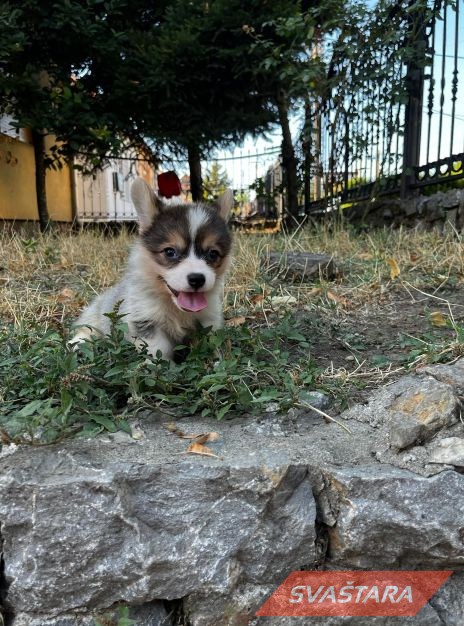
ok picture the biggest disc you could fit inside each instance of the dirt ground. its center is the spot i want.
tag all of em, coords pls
(377, 343)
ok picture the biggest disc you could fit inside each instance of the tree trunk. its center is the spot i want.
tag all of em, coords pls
(289, 161)
(196, 183)
(38, 139)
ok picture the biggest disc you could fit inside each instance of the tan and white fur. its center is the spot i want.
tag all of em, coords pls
(174, 276)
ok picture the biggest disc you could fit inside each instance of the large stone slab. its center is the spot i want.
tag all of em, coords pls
(410, 411)
(418, 411)
(450, 374)
(394, 519)
(449, 601)
(81, 529)
(239, 608)
(87, 525)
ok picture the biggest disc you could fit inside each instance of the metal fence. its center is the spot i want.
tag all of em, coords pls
(396, 126)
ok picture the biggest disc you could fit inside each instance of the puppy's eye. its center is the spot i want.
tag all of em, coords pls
(170, 253)
(212, 255)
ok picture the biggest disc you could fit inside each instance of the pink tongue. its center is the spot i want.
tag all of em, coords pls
(192, 300)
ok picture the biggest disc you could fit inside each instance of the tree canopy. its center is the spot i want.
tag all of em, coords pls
(179, 77)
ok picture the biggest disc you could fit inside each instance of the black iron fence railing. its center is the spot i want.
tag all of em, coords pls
(396, 127)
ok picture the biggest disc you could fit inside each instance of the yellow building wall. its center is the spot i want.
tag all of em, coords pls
(59, 192)
(17, 184)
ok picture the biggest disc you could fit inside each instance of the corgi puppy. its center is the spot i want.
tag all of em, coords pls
(174, 277)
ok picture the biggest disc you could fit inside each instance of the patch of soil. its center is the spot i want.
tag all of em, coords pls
(377, 336)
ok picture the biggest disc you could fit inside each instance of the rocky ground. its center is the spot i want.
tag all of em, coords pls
(186, 539)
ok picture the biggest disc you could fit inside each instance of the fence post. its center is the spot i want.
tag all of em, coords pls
(414, 81)
(306, 145)
(346, 157)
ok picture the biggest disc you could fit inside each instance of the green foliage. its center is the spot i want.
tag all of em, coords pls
(285, 58)
(62, 69)
(215, 182)
(437, 345)
(48, 392)
(121, 619)
(125, 73)
(197, 73)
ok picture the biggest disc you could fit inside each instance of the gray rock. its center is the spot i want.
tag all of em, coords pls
(452, 198)
(411, 410)
(88, 524)
(317, 399)
(391, 518)
(301, 265)
(235, 609)
(420, 410)
(450, 374)
(26, 619)
(449, 601)
(81, 530)
(426, 617)
(239, 608)
(297, 420)
(449, 451)
(150, 614)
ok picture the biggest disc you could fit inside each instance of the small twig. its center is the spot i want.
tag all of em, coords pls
(332, 419)
(429, 295)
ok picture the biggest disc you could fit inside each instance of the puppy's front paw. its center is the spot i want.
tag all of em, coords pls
(83, 334)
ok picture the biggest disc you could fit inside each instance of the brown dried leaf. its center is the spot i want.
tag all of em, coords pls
(340, 300)
(394, 268)
(198, 448)
(66, 294)
(199, 438)
(236, 321)
(257, 299)
(203, 437)
(172, 428)
(437, 318)
(4, 437)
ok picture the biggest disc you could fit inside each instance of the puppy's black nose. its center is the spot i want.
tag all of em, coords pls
(196, 280)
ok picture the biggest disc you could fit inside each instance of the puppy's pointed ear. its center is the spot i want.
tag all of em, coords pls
(224, 203)
(146, 203)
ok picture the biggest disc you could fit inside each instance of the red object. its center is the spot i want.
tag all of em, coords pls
(169, 184)
(353, 593)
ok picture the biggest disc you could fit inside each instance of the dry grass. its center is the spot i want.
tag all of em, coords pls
(45, 277)
(48, 278)
(427, 260)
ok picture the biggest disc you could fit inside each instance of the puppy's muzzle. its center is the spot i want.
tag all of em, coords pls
(196, 280)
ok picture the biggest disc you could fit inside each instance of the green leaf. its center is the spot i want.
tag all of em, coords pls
(105, 422)
(222, 412)
(35, 406)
